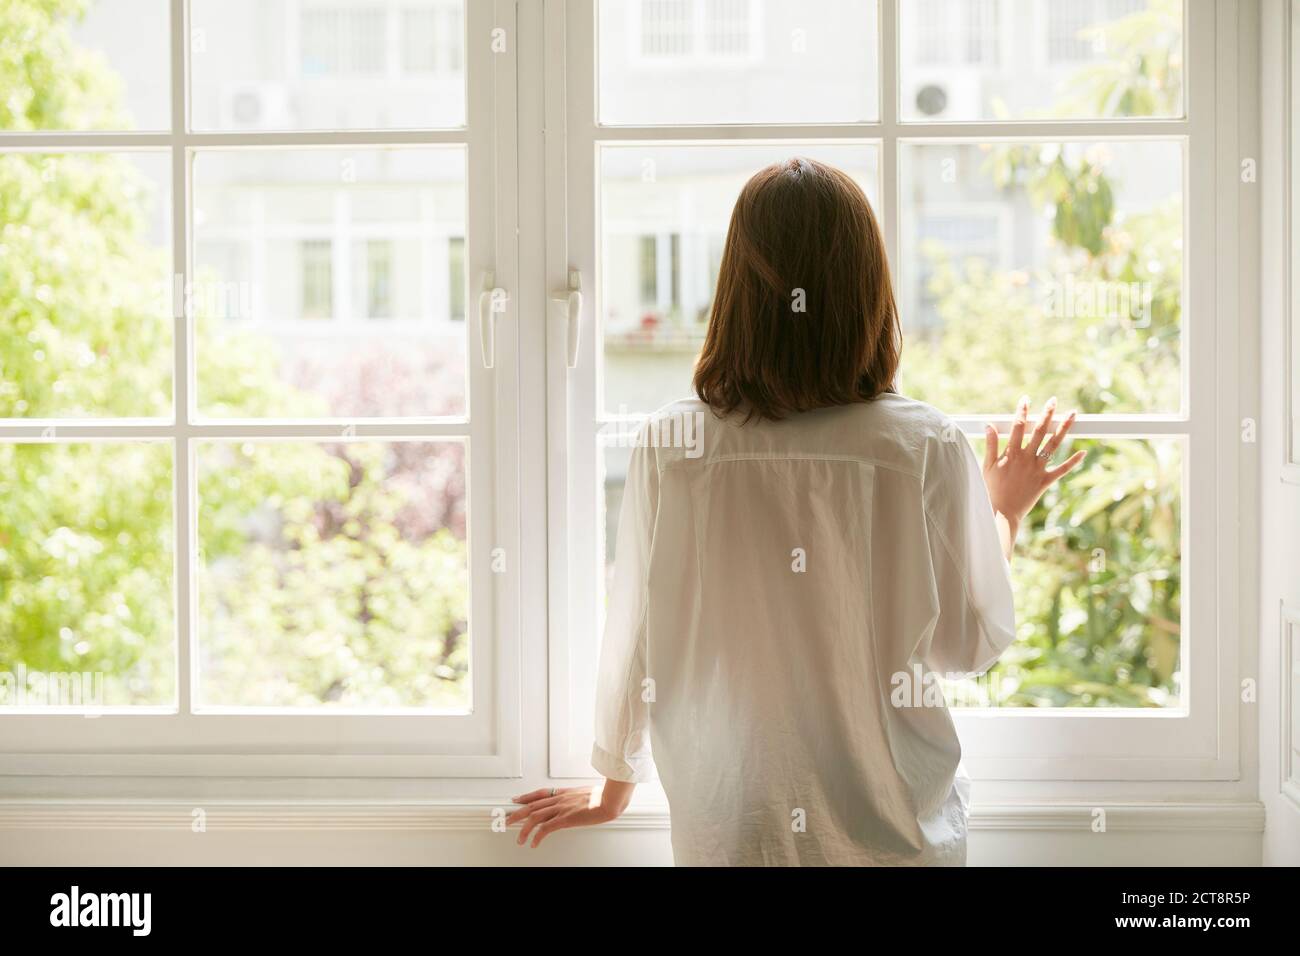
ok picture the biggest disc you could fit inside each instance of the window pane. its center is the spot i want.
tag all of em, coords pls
(325, 64)
(663, 221)
(85, 300)
(97, 65)
(87, 616)
(456, 277)
(318, 282)
(737, 61)
(1040, 59)
(1042, 269)
(1098, 586)
(378, 279)
(333, 575)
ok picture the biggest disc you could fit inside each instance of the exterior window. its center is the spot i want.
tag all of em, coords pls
(420, 36)
(675, 270)
(379, 279)
(982, 39)
(456, 278)
(667, 27)
(648, 270)
(960, 32)
(727, 30)
(317, 265)
(945, 239)
(452, 41)
(431, 39)
(1074, 30)
(700, 31)
(339, 41)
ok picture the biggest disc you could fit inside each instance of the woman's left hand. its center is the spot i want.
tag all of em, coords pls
(545, 811)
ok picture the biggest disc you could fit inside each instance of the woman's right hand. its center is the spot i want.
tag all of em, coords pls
(1017, 476)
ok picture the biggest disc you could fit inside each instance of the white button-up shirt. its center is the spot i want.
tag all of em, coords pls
(781, 590)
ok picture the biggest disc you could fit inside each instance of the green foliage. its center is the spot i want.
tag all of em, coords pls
(46, 80)
(1097, 585)
(1142, 73)
(81, 291)
(373, 616)
(86, 564)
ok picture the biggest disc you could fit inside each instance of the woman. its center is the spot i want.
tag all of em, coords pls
(785, 595)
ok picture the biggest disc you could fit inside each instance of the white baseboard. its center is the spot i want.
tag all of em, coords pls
(462, 833)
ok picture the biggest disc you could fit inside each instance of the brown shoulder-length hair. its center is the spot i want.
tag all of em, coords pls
(804, 315)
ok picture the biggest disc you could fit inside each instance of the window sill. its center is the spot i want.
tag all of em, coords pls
(477, 815)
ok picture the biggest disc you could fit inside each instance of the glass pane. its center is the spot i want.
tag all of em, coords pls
(737, 61)
(323, 282)
(1042, 269)
(663, 222)
(87, 617)
(85, 301)
(333, 575)
(1098, 585)
(1040, 59)
(84, 65)
(321, 64)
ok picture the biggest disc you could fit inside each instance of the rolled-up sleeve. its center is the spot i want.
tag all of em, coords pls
(623, 694)
(977, 620)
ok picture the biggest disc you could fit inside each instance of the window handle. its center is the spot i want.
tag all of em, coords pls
(491, 303)
(571, 299)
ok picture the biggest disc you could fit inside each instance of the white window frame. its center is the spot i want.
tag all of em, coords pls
(175, 742)
(1195, 742)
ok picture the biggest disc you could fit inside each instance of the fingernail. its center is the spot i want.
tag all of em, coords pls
(1051, 402)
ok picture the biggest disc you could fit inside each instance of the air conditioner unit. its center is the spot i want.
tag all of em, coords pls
(256, 106)
(942, 93)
